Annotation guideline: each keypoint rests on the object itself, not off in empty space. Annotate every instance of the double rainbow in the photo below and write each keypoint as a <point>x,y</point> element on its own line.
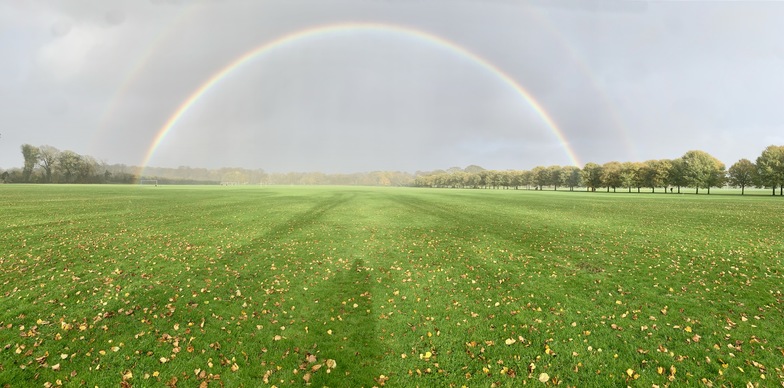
<point>335,29</point>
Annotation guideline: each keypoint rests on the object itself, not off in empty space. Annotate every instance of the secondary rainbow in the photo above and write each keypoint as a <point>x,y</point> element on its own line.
<point>357,27</point>
<point>134,71</point>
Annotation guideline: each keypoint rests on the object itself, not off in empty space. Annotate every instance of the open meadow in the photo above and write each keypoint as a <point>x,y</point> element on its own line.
<point>347,286</point>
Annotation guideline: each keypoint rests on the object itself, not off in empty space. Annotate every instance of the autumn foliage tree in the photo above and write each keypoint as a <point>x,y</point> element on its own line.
<point>701,170</point>
<point>770,168</point>
<point>742,174</point>
<point>611,175</point>
<point>592,176</point>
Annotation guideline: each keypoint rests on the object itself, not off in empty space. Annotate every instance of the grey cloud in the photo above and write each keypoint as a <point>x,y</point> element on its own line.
<point>623,81</point>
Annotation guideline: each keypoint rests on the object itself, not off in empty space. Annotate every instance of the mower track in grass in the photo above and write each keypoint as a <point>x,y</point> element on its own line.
<point>338,286</point>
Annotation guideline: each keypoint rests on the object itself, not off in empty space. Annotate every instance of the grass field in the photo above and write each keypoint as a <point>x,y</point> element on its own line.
<point>188,286</point>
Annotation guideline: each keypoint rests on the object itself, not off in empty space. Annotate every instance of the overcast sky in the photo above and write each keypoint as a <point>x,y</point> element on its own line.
<point>626,81</point>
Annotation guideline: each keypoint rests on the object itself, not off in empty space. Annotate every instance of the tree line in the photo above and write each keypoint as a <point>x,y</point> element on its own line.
<point>47,164</point>
<point>695,169</point>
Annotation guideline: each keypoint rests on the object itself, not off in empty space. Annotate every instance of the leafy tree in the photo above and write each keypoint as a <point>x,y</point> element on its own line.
<point>31,156</point>
<point>69,164</point>
<point>677,174</point>
<point>592,176</point>
<point>516,177</point>
<point>509,178</point>
<point>461,178</point>
<point>718,177</point>
<point>742,174</point>
<point>554,176</point>
<point>541,176</point>
<point>492,178</point>
<point>570,176</point>
<point>472,180</point>
<point>527,178</point>
<point>701,170</point>
<point>770,168</point>
<point>654,173</point>
<point>423,181</point>
<point>611,175</point>
<point>87,171</point>
<point>630,175</point>
<point>474,169</point>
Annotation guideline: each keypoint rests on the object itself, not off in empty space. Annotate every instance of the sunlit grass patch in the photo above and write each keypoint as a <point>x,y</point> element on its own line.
<point>402,287</point>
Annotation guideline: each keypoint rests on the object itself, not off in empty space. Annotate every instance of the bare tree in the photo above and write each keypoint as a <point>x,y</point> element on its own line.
<point>48,158</point>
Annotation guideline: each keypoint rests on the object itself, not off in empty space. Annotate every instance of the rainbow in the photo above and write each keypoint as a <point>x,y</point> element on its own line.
<point>584,68</point>
<point>356,27</point>
<point>135,70</point>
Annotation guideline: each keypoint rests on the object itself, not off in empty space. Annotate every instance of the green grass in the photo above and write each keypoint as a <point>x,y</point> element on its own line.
<point>404,287</point>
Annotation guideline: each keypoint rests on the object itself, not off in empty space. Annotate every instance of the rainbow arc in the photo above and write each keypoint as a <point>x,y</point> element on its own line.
<point>342,28</point>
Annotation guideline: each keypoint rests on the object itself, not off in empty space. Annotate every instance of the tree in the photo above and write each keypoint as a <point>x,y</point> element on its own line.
<point>677,174</point>
<point>630,175</point>
<point>611,175</point>
<point>87,170</point>
<point>592,176</point>
<point>742,174</point>
<point>554,176</point>
<point>718,177</point>
<point>517,178</point>
<point>492,178</point>
<point>474,169</point>
<point>69,165</point>
<point>48,158</point>
<point>654,173</point>
<point>570,176</point>
<point>540,176</point>
<point>701,170</point>
<point>770,168</point>
<point>471,180</point>
<point>527,179</point>
<point>31,156</point>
